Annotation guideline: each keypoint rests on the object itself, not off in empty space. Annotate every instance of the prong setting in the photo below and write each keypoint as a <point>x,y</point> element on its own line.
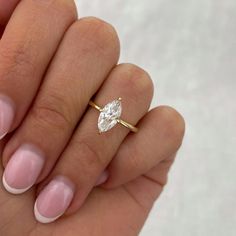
<point>109,115</point>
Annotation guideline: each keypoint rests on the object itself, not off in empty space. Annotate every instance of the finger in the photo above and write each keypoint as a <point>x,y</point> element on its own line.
<point>6,9</point>
<point>89,152</point>
<point>26,48</point>
<point>144,191</point>
<point>160,136</point>
<point>87,53</point>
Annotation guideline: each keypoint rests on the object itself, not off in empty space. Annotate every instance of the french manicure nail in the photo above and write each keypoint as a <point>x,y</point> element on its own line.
<point>102,178</point>
<point>6,115</point>
<point>54,199</point>
<point>23,169</point>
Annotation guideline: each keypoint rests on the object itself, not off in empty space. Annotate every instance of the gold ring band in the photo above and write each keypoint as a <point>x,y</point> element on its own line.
<point>110,116</point>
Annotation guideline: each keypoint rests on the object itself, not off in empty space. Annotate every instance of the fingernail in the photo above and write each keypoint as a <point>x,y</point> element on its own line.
<point>6,115</point>
<point>54,199</point>
<point>102,178</point>
<point>23,169</point>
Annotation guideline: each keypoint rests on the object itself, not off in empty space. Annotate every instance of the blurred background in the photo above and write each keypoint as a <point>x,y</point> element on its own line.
<point>189,48</point>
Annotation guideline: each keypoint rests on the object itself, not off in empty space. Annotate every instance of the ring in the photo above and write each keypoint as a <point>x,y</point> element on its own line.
<point>110,116</point>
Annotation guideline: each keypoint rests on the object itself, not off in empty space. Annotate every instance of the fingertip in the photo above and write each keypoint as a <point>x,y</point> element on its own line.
<point>54,200</point>
<point>12,190</point>
<point>42,219</point>
<point>173,122</point>
<point>102,178</point>
<point>110,182</point>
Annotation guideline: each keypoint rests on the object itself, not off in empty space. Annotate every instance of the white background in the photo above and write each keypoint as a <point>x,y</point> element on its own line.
<point>189,48</point>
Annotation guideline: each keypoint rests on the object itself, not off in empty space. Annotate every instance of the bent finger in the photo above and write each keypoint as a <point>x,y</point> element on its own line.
<point>160,136</point>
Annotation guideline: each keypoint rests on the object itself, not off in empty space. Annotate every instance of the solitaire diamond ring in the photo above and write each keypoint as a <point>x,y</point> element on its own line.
<point>110,116</point>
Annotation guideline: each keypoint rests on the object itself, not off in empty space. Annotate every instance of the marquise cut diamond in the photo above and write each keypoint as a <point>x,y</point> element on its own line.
<point>109,115</point>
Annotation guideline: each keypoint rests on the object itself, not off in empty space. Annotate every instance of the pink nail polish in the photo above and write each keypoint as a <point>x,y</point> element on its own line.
<point>6,115</point>
<point>54,199</point>
<point>23,169</point>
<point>102,178</point>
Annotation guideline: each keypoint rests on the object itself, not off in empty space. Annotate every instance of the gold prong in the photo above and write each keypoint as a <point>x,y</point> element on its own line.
<point>119,99</point>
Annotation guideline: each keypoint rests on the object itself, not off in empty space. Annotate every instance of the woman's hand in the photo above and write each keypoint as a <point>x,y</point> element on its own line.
<point>51,65</point>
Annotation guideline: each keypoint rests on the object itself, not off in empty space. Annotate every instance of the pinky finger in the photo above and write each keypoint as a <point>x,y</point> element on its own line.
<point>160,136</point>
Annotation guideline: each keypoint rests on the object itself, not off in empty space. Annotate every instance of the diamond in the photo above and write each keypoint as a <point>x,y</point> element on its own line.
<point>109,115</point>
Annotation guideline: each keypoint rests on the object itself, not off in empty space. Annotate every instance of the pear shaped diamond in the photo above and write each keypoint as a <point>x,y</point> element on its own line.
<point>109,115</point>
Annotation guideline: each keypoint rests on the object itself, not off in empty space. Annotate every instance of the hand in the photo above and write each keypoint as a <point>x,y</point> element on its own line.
<point>51,65</point>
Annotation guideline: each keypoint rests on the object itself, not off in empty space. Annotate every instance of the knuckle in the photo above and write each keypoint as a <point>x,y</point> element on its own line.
<point>98,35</point>
<point>51,112</point>
<point>65,7</point>
<point>173,122</point>
<point>105,32</point>
<point>69,8</point>
<point>135,79</point>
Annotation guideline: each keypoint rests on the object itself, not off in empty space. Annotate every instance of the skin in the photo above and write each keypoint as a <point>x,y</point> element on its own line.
<point>71,61</point>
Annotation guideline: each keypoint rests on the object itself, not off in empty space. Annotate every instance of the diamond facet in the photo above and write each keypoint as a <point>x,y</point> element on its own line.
<point>109,115</point>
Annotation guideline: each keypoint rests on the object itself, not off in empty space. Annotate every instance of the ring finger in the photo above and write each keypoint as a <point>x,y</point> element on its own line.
<point>89,153</point>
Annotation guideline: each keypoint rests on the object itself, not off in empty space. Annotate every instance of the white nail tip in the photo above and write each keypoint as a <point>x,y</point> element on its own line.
<point>13,190</point>
<point>43,219</point>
